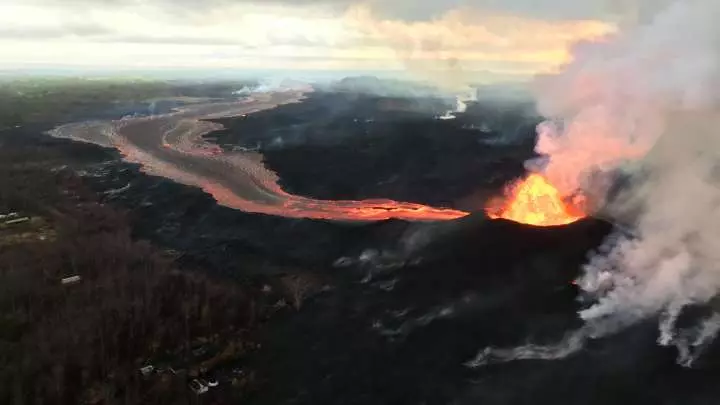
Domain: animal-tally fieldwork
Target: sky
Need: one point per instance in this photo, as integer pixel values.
(496, 39)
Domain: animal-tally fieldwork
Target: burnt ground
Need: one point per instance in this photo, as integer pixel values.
(341, 146)
(418, 301)
(402, 306)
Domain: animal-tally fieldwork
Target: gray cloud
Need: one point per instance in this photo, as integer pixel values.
(170, 40)
(410, 10)
(477, 33)
(547, 9)
(35, 33)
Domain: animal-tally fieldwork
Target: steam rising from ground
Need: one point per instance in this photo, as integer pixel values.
(673, 259)
(647, 95)
(461, 101)
(651, 93)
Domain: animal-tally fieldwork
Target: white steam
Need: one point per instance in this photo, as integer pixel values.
(273, 85)
(461, 100)
(611, 103)
(571, 344)
(650, 93)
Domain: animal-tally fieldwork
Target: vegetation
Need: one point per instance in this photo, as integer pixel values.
(84, 342)
(53, 100)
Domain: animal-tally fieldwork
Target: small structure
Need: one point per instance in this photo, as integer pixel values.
(147, 370)
(17, 221)
(198, 387)
(71, 280)
(9, 215)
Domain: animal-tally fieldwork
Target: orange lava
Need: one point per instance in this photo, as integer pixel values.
(534, 201)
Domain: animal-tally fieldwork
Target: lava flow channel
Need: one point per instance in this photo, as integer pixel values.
(171, 146)
(534, 201)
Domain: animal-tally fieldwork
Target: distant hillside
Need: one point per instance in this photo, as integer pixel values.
(382, 87)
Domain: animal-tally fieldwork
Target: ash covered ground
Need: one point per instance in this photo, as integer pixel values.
(417, 303)
(354, 146)
(400, 310)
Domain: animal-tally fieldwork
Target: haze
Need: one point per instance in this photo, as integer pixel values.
(486, 39)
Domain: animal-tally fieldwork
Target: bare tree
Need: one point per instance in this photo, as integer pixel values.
(298, 287)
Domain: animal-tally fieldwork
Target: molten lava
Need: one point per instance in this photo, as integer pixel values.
(534, 201)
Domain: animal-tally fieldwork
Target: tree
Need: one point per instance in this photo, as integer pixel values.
(297, 287)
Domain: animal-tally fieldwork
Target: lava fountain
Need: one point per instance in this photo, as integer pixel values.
(534, 201)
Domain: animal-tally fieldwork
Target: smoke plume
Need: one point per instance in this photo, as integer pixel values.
(649, 95)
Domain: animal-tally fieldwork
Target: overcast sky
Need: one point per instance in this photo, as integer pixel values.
(503, 37)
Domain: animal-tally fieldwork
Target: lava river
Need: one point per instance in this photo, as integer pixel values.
(171, 146)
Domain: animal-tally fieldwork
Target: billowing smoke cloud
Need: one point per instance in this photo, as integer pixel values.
(612, 103)
(648, 94)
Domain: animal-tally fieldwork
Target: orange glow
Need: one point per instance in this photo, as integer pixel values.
(534, 201)
(280, 203)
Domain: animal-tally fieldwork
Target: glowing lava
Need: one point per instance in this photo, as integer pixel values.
(534, 201)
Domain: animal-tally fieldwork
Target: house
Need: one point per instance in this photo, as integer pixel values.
(198, 387)
(9, 215)
(145, 371)
(70, 280)
(17, 221)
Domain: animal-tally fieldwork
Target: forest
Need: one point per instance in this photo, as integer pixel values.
(60, 99)
(84, 305)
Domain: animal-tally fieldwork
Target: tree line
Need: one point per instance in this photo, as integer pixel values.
(83, 343)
